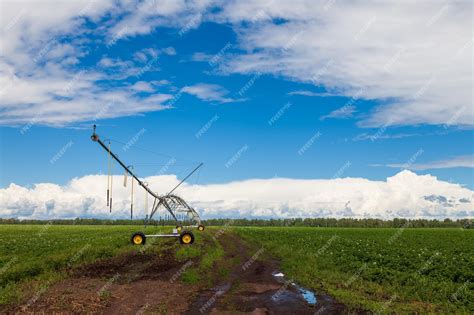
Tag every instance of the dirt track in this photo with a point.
(252, 288)
(142, 283)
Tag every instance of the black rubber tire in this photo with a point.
(201, 227)
(138, 234)
(181, 236)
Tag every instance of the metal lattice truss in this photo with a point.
(175, 205)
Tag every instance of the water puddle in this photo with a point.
(308, 295)
(221, 289)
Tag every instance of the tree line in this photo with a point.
(313, 222)
(346, 222)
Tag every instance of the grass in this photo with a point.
(382, 270)
(190, 276)
(208, 250)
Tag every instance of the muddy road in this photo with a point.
(243, 280)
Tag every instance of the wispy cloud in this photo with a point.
(310, 93)
(208, 92)
(344, 112)
(466, 161)
(142, 86)
(378, 136)
(366, 136)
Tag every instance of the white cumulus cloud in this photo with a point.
(405, 194)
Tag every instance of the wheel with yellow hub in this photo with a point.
(138, 238)
(201, 227)
(186, 237)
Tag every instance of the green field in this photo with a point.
(402, 270)
(381, 270)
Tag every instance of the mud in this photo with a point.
(131, 266)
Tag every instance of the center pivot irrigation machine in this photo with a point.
(178, 209)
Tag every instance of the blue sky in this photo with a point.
(215, 83)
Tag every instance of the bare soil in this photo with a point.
(142, 283)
